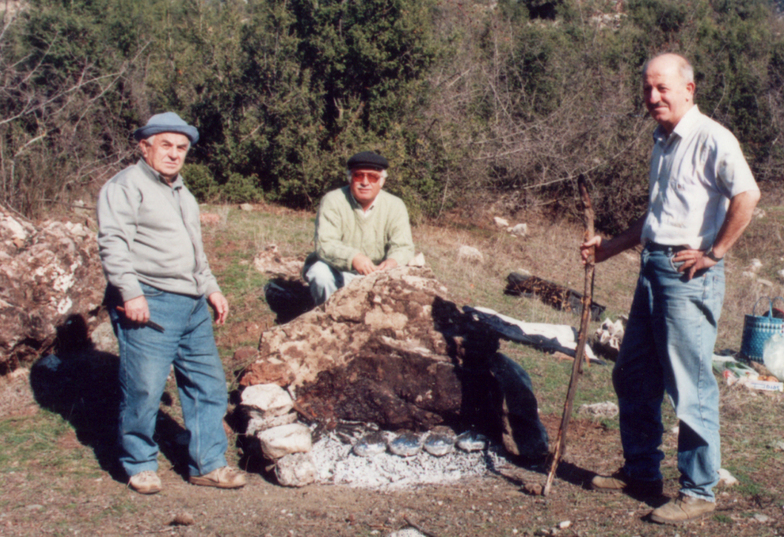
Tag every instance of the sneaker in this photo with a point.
(146, 482)
(223, 478)
(620, 482)
(682, 509)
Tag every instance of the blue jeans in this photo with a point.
(668, 345)
(324, 280)
(146, 357)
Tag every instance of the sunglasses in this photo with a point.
(359, 176)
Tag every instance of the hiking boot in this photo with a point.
(146, 482)
(682, 509)
(223, 478)
(620, 482)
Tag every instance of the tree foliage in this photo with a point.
(472, 102)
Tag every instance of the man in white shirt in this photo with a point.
(702, 196)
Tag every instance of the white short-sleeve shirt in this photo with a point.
(694, 173)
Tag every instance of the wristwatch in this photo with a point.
(710, 255)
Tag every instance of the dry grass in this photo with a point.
(42, 460)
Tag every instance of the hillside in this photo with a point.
(57, 479)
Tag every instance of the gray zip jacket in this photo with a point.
(150, 232)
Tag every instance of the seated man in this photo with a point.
(359, 229)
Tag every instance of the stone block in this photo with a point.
(284, 440)
(296, 470)
(268, 400)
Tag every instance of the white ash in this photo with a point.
(338, 465)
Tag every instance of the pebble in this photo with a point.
(441, 442)
(183, 519)
(371, 444)
(471, 441)
(762, 519)
(521, 230)
(565, 524)
(470, 254)
(406, 444)
(726, 479)
(534, 489)
(407, 532)
(607, 409)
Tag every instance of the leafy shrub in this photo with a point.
(475, 102)
(199, 180)
(240, 189)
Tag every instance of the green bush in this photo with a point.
(476, 103)
(199, 180)
(240, 189)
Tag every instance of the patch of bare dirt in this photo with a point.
(16, 397)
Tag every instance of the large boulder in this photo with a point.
(51, 287)
(391, 349)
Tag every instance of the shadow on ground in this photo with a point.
(80, 383)
(288, 299)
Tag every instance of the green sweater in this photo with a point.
(342, 231)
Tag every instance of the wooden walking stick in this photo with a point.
(560, 442)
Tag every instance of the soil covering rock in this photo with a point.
(390, 349)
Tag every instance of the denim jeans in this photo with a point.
(668, 345)
(324, 280)
(146, 357)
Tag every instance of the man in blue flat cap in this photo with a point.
(360, 229)
(159, 288)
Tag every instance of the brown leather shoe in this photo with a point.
(682, 509)
(620, 482)
(146, 482)
(222, 478)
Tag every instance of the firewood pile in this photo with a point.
(552, 294)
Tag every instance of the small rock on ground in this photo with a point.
(183, 519)
(469, 253)
(407, 532)
(726, 479)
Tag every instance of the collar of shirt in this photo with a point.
(684, 126)
(176, 184)
(357, 205)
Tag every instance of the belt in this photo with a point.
(656, 247)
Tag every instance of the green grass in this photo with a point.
(32, 441)
(750, 423)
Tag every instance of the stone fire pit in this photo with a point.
(389, 350)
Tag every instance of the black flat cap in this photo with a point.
(367, 159)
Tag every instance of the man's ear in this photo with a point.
(144, 148)
(690, 87)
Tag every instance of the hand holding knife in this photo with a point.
(149, 323)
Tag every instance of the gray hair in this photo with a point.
(151, 139)
(684, 67)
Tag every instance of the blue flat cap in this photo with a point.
(167, 122)
(367, 159)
